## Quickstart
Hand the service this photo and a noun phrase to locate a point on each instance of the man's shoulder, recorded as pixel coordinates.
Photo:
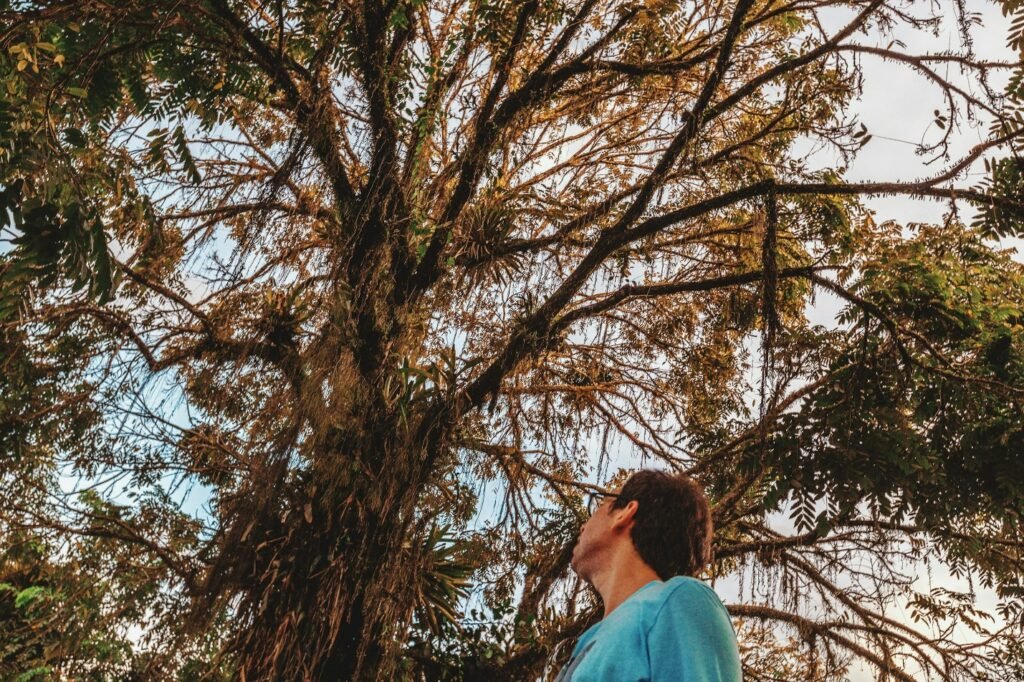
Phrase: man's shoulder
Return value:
(682, 588)
(692, 636)
(676, 590)
(694, 633)
(683, 593)
(676, 597)
(685, 585)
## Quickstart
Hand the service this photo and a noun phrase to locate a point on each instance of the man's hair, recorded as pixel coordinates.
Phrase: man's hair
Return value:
(672, 528)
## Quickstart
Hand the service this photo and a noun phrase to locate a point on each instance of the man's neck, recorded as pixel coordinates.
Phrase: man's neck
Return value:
(620, 579)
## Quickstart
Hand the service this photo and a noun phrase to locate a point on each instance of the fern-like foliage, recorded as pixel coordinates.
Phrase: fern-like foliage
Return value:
(445, 581)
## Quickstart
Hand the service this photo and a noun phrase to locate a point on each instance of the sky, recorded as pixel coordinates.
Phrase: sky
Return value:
(897, 105)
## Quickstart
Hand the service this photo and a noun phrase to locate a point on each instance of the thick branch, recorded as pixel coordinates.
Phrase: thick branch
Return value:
(826, 630)
(633, 291)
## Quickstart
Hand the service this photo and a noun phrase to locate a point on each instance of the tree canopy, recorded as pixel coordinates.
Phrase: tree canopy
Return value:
(291, 290)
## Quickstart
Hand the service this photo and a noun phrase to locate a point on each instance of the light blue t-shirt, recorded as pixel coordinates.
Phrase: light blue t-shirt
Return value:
(665, 631)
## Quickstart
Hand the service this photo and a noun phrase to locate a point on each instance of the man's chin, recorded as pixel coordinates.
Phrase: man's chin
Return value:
(577, 565)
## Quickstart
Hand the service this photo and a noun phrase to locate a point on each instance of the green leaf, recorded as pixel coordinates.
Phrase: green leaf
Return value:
(30, 594)
(36, 673)
(102, 282)
(185, 156)
(75, 137)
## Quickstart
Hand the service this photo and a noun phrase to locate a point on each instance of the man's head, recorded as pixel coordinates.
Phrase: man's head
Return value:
(664, 518)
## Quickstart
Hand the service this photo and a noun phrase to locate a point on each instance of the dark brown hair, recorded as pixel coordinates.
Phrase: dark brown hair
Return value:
(672, 530)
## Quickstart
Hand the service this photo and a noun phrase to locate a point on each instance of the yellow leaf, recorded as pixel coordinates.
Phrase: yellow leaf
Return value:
(59, 59)
(22, 64)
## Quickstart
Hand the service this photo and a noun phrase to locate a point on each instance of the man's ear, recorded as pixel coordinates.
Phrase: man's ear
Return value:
(623, 517)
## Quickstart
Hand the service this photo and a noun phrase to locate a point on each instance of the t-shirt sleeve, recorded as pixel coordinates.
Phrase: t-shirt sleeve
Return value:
(692, 638)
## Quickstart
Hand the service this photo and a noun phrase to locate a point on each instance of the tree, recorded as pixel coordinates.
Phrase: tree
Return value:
(290, 283)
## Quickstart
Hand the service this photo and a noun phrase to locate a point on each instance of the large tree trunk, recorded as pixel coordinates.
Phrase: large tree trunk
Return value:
(326, 567)
(329, 601)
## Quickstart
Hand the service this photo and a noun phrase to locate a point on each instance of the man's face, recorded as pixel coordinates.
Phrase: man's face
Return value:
(596, 535)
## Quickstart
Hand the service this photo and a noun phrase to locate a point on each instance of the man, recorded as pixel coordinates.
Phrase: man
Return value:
(640, 549)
